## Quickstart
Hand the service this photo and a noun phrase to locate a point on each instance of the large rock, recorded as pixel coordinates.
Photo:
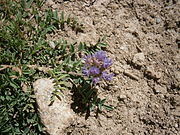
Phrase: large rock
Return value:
(55, 117)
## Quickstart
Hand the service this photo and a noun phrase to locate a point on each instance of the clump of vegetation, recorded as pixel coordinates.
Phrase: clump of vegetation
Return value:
(95, 68)
(26, 54)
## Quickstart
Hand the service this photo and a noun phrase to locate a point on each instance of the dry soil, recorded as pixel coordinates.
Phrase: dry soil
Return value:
(144, 44)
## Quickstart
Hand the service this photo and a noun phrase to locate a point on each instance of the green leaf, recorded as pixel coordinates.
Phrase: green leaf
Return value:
(48, 16)
(55, 15)
(6, 130)
(40, 3)
(23, 4)
(62, 20)
(77, 63)
(26, 131)
(61, 88)
(62, 76)
(109, 108)
(102, 44)
(88, 95)
(100, 107)
(62, 16)
(50, 28)
(81, 46)
(17, 131)
(67, 60)
(103, 101)
(29, 3)
(38, 20)
(91, 107)
(14, 85)
(71, 48)
(40, 127)
(68, 19)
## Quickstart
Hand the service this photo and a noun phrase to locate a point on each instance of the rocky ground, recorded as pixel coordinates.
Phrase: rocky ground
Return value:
(144, 43)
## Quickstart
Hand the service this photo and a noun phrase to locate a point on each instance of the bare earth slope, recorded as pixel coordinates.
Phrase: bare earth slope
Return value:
(144, 43)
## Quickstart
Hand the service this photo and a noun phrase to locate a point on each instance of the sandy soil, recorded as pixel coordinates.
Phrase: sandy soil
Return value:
(144, 43)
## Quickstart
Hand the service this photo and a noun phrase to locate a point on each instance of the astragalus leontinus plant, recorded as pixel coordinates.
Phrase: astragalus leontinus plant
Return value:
(95, 70)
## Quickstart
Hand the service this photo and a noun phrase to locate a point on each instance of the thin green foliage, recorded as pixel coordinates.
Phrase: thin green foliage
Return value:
(23, 49)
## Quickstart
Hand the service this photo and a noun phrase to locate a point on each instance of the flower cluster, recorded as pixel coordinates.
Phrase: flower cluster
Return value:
(95, 66)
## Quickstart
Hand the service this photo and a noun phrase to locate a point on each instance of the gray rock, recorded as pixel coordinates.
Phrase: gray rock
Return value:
(55, 117)
(139, 59)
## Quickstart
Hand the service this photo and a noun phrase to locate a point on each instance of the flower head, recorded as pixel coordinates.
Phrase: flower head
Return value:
(85, 71)
(100, 55)
(94, 71)
(106, 76)
(87, 59)
(95, 80)
(95, 66)
(107, 63)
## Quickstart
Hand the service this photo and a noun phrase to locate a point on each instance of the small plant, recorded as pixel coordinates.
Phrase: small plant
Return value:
(94, 69)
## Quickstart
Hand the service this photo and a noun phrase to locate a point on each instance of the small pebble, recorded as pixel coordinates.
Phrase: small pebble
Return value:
(122, 97)
(176, 125)
(158, 20)
(139, 59)
(52, 44)
(50, 2)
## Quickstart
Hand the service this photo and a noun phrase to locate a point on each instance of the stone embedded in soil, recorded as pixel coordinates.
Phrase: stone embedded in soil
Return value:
(139, 59)
(158, 20)
(175, 100)
(151, 73)
(131, 75)
(117, 68)
(176, 111)
(55, 117)
(54, 6)
(122, 97)
(52, 44)
(159, 89)
(50, 2)
(176, 125)
(177, 77)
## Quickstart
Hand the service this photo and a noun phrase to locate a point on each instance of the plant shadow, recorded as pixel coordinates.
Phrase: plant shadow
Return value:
(82, 97)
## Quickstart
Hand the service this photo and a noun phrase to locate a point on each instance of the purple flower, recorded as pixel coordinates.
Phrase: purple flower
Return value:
(100, 55)
(95, 80)
(95, 66)
(87, 59)
(94, 70)
(106, 76)
(107, 63)
(85, 71)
